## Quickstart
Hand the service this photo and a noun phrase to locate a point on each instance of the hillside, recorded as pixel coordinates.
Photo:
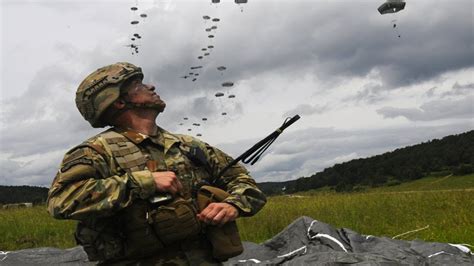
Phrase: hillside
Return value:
(450, 155)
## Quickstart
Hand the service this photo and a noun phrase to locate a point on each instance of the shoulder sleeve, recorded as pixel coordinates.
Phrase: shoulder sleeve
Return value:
(245, 195)
(85, 186)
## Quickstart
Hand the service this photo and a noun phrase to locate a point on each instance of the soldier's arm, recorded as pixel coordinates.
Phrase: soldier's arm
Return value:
(84, 187)
(245, 195)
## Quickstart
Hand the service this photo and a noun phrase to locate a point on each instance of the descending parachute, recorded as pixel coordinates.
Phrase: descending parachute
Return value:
(227, 84)
(208, 29)
(215, 19)
(241, 2)
(206, 17)
(206, 54)
(214, 27)
(221, 68)
(391, 6)
(199, 57)
(231, 96)
(143, 15)
(224, 113)
(134, 22)
(199, 134)
(134, 8)
(219, 94)
(204, 119)
(185, 118)
(211, 36)
(216, 1)
(210, 46)
(196, 67)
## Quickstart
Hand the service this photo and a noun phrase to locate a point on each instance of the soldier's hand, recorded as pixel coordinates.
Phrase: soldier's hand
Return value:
(167, 181)
(218, 213)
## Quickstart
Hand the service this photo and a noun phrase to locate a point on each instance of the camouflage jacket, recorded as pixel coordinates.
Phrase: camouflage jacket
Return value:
(90, 184)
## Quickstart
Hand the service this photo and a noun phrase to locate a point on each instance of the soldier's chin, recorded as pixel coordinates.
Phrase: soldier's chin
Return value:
(159, 106)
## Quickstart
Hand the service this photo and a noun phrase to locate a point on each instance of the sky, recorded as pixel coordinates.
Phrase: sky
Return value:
(360, 89)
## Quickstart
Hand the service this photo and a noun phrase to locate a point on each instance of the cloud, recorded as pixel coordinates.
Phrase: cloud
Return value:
(307, 109)
(434, 110)
(460, 89)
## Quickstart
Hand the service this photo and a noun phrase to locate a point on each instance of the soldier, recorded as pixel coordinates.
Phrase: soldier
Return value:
(135, 189)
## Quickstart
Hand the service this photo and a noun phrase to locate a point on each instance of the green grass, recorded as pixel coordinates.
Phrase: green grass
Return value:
(443, 203)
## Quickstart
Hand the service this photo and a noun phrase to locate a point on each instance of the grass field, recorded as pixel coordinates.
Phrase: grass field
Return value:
(444, 204)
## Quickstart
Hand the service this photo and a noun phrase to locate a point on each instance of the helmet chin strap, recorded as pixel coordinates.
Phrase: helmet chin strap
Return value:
(129, 105)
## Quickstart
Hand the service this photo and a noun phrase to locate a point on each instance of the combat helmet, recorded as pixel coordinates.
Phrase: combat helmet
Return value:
(101, 88)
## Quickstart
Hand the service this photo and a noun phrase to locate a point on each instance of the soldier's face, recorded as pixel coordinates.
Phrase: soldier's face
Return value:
(144, 94)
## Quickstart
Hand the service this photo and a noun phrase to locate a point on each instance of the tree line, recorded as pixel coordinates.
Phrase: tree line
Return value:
(450, 155)
(17, 194)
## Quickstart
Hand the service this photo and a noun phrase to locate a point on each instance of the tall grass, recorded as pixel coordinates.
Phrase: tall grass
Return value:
(446, 205)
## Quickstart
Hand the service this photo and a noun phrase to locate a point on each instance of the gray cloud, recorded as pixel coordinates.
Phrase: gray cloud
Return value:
(307, 109)
(434, 110)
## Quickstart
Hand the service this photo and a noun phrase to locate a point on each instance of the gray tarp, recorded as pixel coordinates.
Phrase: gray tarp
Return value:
(304, 242)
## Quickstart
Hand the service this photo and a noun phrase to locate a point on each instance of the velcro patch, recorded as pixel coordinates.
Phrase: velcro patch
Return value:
(69, 164)
(74, 155)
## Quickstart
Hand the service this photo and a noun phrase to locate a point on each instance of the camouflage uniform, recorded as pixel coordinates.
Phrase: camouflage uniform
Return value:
(106, 182)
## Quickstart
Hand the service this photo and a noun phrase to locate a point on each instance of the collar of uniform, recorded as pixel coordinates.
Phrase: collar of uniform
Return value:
(133, 136)
(170, 139)
(137, 138)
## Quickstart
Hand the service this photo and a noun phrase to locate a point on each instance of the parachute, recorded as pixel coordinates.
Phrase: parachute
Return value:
(227, 84)
(211, 36)
(206, 17)
(215, 19)
(391, 6)
(241, 2)
(224, 113)
(143, 15)
(199, 134)
(231, 96)
(134, 8)
(214, 27)
(221, 68)
(219, 94)
(216, 1)
(134, 22)
(204, 119)
(210, 46)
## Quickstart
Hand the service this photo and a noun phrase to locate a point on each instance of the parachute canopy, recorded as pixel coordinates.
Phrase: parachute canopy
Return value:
(211, 36)
(134, 8)
(227, 84)
(210, 46)
(215, 19)
(206, 17)
(134, 22)
(240, 1)
(219, 94)
(391, 6)
(204, 119)
(232, 96)
(143, 15)
(221, 68)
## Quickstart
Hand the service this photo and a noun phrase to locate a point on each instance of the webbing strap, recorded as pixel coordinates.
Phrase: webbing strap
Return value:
(127, 155)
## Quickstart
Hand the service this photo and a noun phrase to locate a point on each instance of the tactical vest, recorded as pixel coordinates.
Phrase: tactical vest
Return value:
(143, 228)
